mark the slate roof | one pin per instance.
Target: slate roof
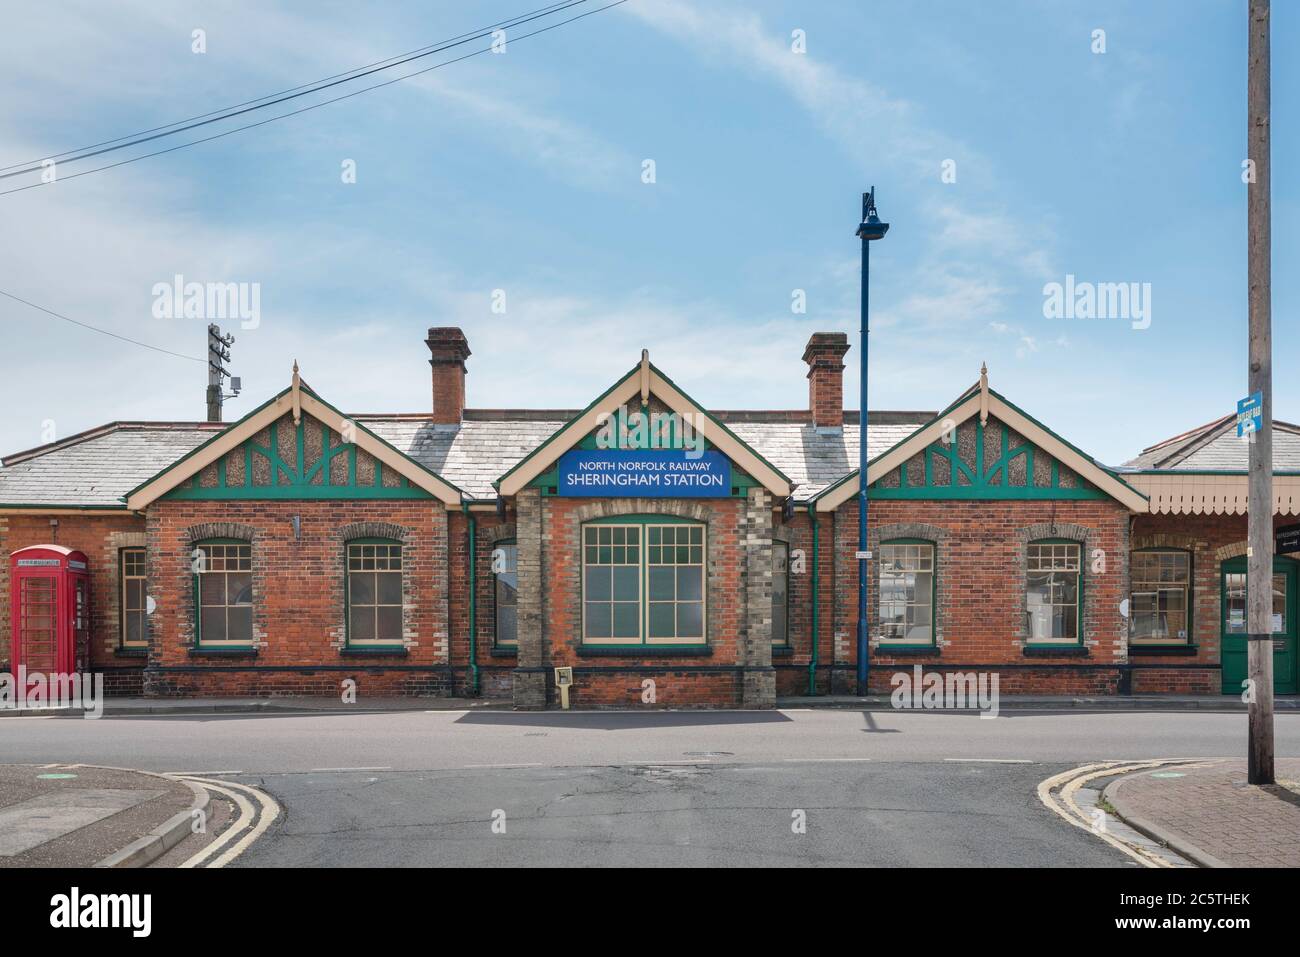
(96, 468)
(1214, 447)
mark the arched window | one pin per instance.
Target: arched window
(133, 586)
(1054, 592)
(780, 593)
(374, 592)
(506, 589)
(906, 577)
(1160, 607)
(223, 593)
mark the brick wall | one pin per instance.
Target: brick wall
(298, 599)
(99, 536)
(1211, 539)
(980, 622)
(736, 669)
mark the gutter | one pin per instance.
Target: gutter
(471, 524)
(812, 661)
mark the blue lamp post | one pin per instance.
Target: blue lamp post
(870, 229)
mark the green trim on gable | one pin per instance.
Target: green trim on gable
(301, 484)
(941, 458)
(635, 370)
(295, 489)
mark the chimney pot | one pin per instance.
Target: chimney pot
(825, 357)
(448, 350)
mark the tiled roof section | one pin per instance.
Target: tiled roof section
(489, 443)
(1216, 448)
(97, 469)
(814, 458)
(472, 455)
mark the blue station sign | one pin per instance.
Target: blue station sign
(665, 473)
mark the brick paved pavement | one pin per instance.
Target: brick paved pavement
(1208, 812)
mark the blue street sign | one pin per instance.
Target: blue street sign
(1250, 413)
(668, 473)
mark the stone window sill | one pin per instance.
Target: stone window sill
(1055, 651)
(647, 651)
(399, 651)
(1189, 651)
(249, 652)
(132, 653)
(906, 651)
(503, 653)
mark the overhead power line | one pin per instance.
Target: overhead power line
(306, 109)
(102, 332)
(272, 99)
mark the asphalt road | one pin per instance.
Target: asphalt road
(715, 788)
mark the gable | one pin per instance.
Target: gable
(959, 454)
(983, 460)
(306, 460)
(294, 447)
(652, 427)
(640, 387)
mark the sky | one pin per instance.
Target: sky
(511, 194)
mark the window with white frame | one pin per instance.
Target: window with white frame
(780, 593)
(1159, 602)
(1052, 592)
(507, 595)
(906, 587)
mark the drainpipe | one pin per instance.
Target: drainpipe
(472, 526)
(812, 662)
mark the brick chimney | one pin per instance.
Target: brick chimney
(448, 349)
(825, 357)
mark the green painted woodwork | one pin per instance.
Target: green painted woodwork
(300, 478)
(1232, 655)
(942, 459)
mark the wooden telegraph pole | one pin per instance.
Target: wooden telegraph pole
(1259, 567)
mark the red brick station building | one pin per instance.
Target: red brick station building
(644, 542)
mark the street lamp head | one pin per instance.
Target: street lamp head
(871, 226)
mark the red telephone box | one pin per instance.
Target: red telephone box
(49, 603)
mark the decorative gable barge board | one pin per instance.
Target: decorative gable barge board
(288, 402)
(932, 432)
(295, 479)
(621, 393)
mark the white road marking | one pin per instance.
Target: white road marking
(323, 770)
(989, 760)
(479, 767)
(821, 760)
(209, 774)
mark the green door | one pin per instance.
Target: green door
(1233, 625)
